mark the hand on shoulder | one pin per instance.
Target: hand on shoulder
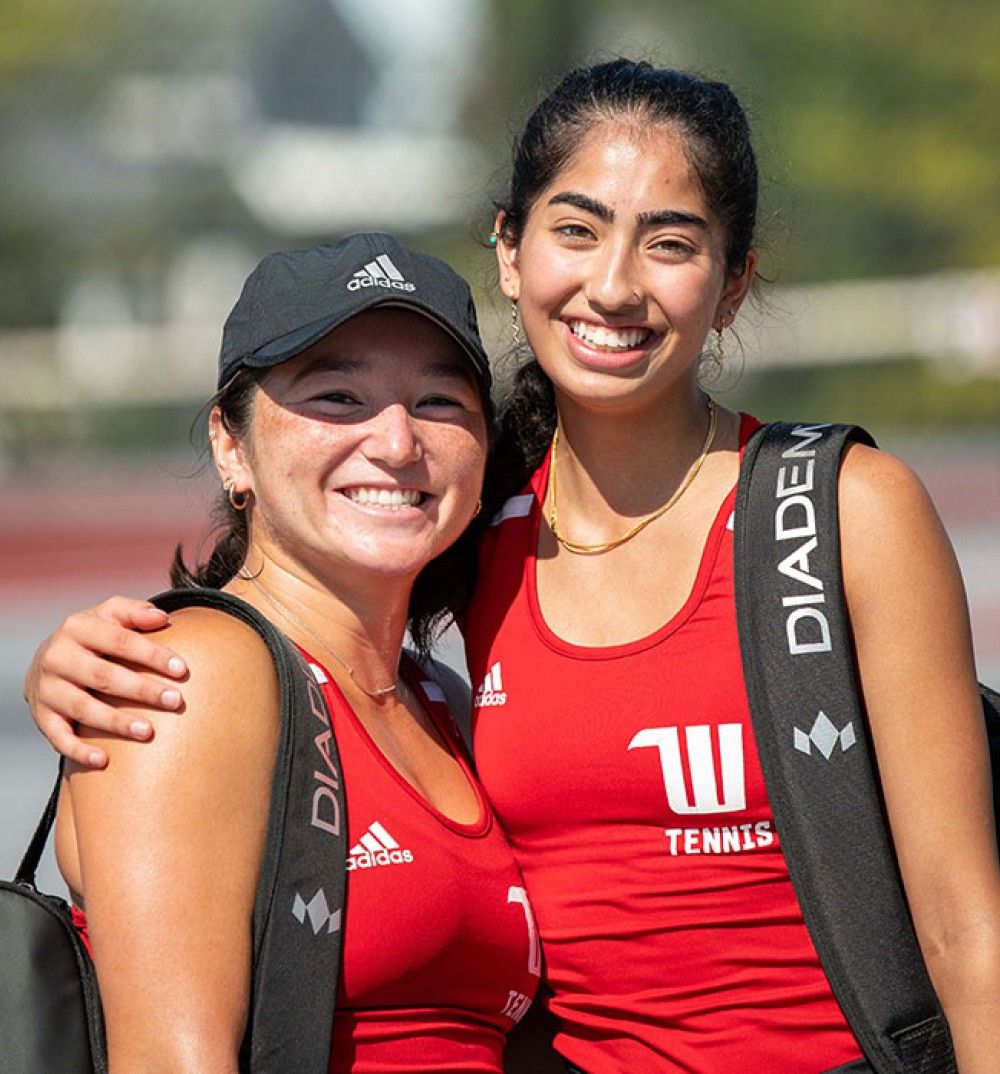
(167, 842)
(230, 685)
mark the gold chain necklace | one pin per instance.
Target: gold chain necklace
(375, 695)
(606, 546)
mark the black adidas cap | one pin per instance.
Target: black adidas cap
(293, 298)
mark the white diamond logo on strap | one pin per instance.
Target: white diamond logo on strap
(380, 273)
(825, 737)
(317, 909)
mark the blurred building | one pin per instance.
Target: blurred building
(161, 181)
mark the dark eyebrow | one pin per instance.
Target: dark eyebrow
(652, 219)
(670, 218)
(588, 205)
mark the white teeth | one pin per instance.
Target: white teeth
(391, 498)
(619, 339)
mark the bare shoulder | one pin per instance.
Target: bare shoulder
(172, 832)
(209, 639)
(231, 685)
(906, 598)
(877, 486)
(891, 534)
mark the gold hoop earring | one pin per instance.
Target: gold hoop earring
(515, 325)
(238, 500)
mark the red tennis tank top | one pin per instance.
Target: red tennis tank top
(629, 784)
(440, 950)
(440, 954)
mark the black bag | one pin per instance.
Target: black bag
(812, 736)
(50, 1013)
(50, 1010)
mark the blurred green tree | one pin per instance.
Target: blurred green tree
(877, 121)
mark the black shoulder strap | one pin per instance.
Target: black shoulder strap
(298, 912)
(991, 714)
(812, 737)
(33, 855)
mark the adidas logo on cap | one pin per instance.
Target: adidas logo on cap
(379, 273)
(376, 847)
(491, 692)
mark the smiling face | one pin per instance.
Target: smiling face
(620, 270)
(365, 452)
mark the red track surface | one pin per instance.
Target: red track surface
(114, 530)
(66, 541)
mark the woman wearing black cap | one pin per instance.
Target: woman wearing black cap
(350, 433)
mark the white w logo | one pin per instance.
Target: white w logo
(698, 740)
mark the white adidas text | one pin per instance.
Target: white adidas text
(377, 847)
(491, 692)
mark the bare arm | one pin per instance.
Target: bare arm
(95, 655)
(166, 844)
(914, 649)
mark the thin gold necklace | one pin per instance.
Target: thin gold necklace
(375, 695)
(606, 546)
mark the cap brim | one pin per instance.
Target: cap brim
(294, 343)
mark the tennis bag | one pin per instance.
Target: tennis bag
(50, 1011)
(815, 750)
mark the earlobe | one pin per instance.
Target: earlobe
(507, 260)
(228, 454)
(735, 292)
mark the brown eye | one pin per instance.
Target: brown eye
(574, 231)
(673, 247)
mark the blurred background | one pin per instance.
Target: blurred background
(150, 152)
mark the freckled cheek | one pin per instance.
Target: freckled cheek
(300, 452)
(460, 460)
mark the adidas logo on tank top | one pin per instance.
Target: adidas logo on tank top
(376, 847)
(491, 692)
